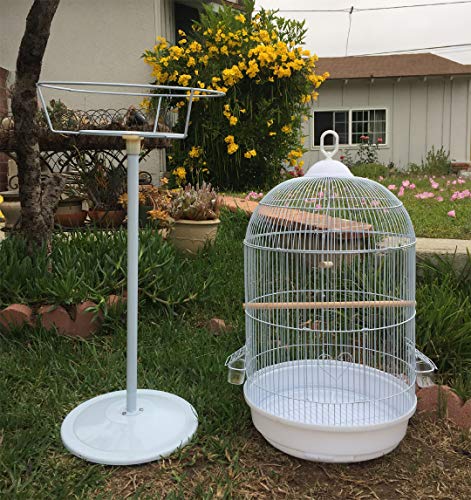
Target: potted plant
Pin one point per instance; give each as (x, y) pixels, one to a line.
(103, 185)
(69, 212)
(195, 211)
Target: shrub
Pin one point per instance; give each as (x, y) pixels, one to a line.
(370, 170)
(367, 150)
(244, 139)
(437, 162)
(444, 320)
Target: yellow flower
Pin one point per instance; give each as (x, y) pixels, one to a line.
(145, 103)
(158, 214)
(269, 123)
(191, 62)
(240, 18)
(184, 80)
(271, 134)
(176, 52)
(195, 46)
(233, 120)
(123, 199)
(182, 41)
(232, 75)
(232, 148)
(295, 153)
(229, 139)
(250, 154)
(223, 50)
(180, 172)
(195, 152)
(242, 110)
(253, 69)
(164, 180)
(181, 33)
(161, 43)
(286, 129)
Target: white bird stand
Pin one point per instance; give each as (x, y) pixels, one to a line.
(134, 426)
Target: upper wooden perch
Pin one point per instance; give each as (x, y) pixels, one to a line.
(300, 218)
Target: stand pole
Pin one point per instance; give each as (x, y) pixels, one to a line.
(133, 147)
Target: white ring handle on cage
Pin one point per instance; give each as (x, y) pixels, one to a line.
(330, 154)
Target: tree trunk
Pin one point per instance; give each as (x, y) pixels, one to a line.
(39, 195)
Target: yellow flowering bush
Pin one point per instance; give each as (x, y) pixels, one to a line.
(246, 139)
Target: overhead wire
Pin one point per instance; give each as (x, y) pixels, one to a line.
(368, 9)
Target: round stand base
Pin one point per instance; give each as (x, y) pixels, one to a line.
(99, 430)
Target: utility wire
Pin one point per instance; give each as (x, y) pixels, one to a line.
(436, 47)
(368, 9)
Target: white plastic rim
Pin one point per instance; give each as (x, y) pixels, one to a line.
(100, 431)
(323, 437)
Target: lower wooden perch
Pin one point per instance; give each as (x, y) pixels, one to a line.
(330, 305)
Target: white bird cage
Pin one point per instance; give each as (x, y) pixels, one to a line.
(330, 354)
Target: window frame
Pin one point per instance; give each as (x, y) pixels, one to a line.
(349, 110)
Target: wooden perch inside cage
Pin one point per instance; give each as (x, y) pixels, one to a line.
(302, 218)
(330, 305)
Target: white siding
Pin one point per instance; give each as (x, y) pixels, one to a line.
(421, 113)
(94, 40)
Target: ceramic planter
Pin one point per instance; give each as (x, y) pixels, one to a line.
(69, 213)
(107, 218)
(190, 236)
(11, 208)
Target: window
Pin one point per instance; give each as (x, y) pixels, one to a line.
(185, 16)
(370, 122)
(330, 120)
(350, 125)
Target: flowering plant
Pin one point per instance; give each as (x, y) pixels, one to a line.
(244, 139)
(367, 150)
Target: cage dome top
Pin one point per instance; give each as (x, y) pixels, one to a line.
(330, 199)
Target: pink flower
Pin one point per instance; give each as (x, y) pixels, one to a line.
(380, 140)
(447, 183)
(411, 186)
(454, 182)
(401, 191)
(451, 213)
(435, 185)
(375, 203)
(392, 187)
(318, 206)
(381, 178)
(439, 198)
(406, 183)
(424, 195)
(461, 181)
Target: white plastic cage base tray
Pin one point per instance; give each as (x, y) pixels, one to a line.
(99, 430)
(308, 420)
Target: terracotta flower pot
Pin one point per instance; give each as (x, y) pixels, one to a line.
(69, 213)
(190, 236)
(11, 207)
(107, 218)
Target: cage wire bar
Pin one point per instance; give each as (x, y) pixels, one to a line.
(137, 425)
(330, 316)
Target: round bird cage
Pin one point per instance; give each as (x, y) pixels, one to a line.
(330, 353)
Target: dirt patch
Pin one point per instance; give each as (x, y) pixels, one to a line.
(433, 462)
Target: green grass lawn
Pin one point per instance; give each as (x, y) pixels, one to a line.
(429, 216)
(44, 376)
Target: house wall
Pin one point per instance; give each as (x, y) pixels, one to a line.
(93, 40)
(421, 113)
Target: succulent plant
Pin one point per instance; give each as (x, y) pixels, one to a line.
(196, 203)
